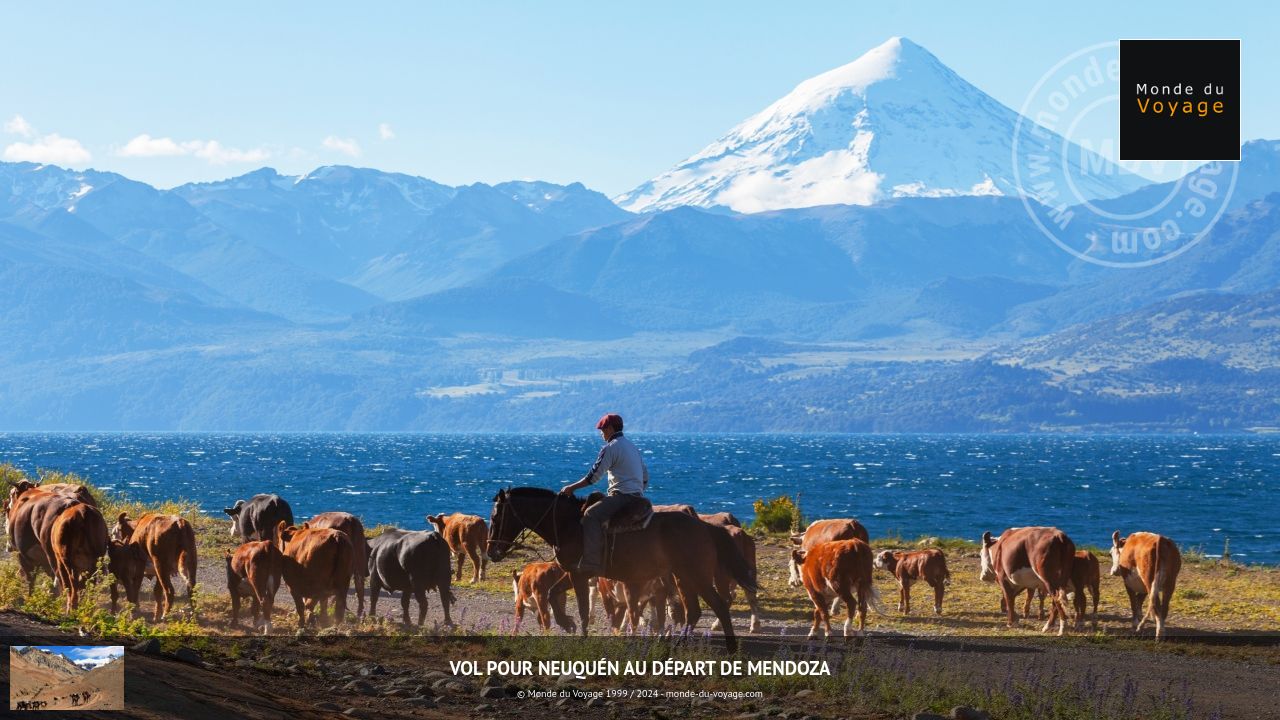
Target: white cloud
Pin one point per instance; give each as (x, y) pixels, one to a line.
(19, 126)
(385, 132)
(346, 146)
(95, 656)
(146, 146)
(52, 148)
(212, 151)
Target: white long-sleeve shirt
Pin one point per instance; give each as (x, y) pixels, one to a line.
(621, 459)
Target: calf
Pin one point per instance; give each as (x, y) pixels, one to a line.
(169, 543)
(410, 563)
(837, 570)
(542, 587)
(624, 603)
(820, 531)
(127, 563)
(258, 518)
(254, 571)
(316, 565)
(1149, 564)
(466, 535)
(911, 567)
(77, 540)
(351, 525)
(1030, 557)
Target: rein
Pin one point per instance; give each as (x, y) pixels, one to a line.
(517, 541)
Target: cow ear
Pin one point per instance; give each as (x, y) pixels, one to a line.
(1115, 539)
(986, 539)
(124, 517)
(306, 525)
(232, 511)
(797, 539)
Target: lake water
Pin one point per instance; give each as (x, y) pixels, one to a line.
(1198, 490)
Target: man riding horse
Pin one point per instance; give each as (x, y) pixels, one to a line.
(628, 479)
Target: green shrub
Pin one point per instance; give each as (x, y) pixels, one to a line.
(779, 515)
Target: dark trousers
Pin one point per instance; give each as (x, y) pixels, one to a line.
(593, 524)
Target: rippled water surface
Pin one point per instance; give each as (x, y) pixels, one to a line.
(1197, 490)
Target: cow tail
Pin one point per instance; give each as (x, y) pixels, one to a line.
(187, 553)
(873, 598)
(730, 557)
(946, 576)
(1157, 588)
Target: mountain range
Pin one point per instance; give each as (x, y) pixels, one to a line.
(886, 277)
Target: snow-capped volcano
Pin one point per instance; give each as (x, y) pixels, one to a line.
(895, 122)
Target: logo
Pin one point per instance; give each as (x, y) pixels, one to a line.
(1122, 213)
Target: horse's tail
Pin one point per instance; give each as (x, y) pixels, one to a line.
(730, 557)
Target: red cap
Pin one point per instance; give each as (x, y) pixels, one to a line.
(612, 420)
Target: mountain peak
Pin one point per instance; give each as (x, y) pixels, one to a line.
(895, 122)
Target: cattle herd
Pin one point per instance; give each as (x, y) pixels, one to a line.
(59, 529)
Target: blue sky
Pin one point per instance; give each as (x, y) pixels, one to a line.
(607, 94)
(93, 654)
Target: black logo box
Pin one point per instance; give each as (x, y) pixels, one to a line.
(1187, 68)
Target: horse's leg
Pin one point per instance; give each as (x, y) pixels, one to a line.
(721, 609)
(582, 593)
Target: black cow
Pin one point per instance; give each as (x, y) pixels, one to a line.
(411, 563)
(257, 518)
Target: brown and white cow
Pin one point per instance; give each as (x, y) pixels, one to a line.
(1149, 565)
(254, 570)
(77, 541)
(316, 565)
(909, 567)
(1085, 577)
(1030, 557)
(169, 544)
(542, 587)
(820, 531)
(466, 536)
(837, 570)
(351, 525)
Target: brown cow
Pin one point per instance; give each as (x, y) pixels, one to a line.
(77, 540)
(837, 570)
(351, 525)
(29, 524)
(1149, 564)
(254, 571)
(723, 519)
(820, 531)
(910, 567)
(127, 563)
(1084, 577)
(724, 582)
(624, 603)
(169, 543)
(1030, 557)
(316, 565)
(542, 587)
(71, 490)
(466, 535)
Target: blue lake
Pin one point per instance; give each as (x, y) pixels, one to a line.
(1199, 490)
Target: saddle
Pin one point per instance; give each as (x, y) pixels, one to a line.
(629, 520)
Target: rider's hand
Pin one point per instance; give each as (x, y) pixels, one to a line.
(568, 489)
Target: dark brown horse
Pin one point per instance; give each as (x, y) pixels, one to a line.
(673, 542)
